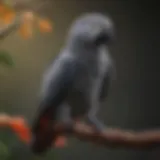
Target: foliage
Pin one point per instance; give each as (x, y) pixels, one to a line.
(6, 59)
(28, 21)
(28, 18)
(4, 151)
(8, 15)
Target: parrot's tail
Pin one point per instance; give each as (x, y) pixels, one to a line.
(43, 133)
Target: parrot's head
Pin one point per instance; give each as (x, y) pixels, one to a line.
(92, 29)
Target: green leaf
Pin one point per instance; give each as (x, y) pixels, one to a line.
(4, 151)
(6, 59)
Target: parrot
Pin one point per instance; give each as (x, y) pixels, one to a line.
(77, 81)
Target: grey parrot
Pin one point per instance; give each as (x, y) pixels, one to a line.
(77, 81)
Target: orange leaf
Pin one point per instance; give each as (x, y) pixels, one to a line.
(44, 25)
(8, 17)
(26, 30)
(22, 130)
(20, 127)
(2, 8)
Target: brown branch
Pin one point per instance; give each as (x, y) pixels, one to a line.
(6, 30)
(114, 138)
(31, 5)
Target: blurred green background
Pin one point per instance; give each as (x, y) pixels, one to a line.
(133, 100)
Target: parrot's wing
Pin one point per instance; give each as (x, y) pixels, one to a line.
(106, 82)
(105, 85)
(57, 83)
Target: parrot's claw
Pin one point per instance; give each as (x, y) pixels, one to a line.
(98, 126)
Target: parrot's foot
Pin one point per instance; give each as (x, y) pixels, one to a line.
(60, 142)
(98, 126)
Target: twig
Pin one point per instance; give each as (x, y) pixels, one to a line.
(6, 30)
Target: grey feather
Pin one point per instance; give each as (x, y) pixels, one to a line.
(80, 76)
(58, 80)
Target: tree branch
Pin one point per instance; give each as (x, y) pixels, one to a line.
(6, 30)
(114, 138)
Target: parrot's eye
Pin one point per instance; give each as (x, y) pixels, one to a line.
(101, 39)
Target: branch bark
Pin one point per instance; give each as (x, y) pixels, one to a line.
(114, 138)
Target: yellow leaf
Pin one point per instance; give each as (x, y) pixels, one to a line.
(44, 25)
(25, 30)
